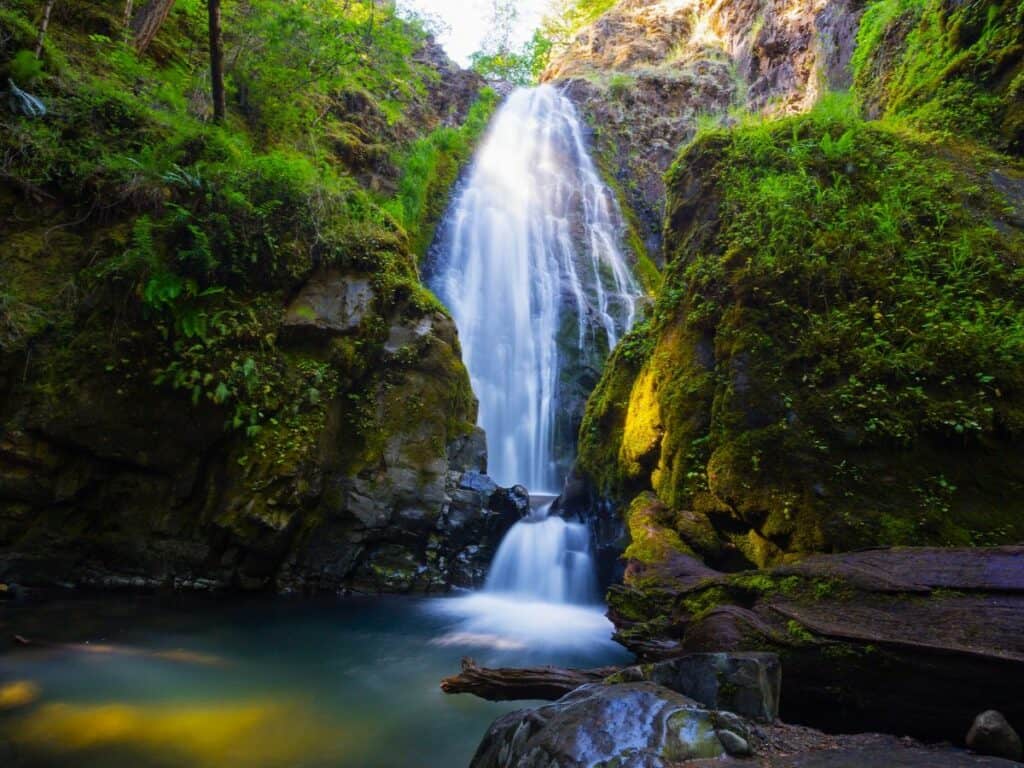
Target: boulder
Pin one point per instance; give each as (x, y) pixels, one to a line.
(331, 302)
(512, 501)
(992, 735)
(641, 725)
(745, 683)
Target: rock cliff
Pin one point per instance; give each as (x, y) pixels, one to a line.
(806, 381)
(219, 368)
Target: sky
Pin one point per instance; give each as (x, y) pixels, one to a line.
(467, 22)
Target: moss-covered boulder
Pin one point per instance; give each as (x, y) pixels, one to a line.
(836, 359)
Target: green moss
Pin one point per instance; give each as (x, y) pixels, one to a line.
(954, 69)
(430, 168)
(651, 539)
(838, 348)
(798, 632)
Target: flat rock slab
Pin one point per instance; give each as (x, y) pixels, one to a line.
(887, 758)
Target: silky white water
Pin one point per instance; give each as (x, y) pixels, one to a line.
(529, 261)
(545, 558)
(531, 243)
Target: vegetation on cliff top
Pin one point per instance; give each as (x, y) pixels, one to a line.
(195, 232)
(956, 68)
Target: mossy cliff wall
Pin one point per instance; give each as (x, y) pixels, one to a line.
(219, 367)
(836, 354)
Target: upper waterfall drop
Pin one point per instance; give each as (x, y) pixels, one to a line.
(530, 263)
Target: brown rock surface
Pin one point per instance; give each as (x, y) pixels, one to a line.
(931, 638)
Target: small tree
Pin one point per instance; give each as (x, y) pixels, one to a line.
(43, 27)
(216, 62)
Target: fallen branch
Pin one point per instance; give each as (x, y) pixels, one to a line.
(546, 683)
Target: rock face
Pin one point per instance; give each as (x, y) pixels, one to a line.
(990, 734)
(912, 641)
(131, 487)
(647, 72)
(635, 724)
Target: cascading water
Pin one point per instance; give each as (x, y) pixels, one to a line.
(545, 558)
(530, 264)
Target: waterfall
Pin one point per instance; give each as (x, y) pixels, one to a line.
(530, 264)
(545, 558)
(529, 261)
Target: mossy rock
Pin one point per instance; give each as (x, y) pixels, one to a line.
(836, 359)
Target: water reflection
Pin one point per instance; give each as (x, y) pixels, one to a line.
(146, 683)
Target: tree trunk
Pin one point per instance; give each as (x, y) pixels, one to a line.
(129, 5)
(147, 22)
(43, 27)
(216, 63)
(547, 683)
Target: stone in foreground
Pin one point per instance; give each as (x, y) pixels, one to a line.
(992, 735)
(641, 725)
(745, 683)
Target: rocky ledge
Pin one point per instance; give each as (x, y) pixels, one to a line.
(644, 725)
(903, 640)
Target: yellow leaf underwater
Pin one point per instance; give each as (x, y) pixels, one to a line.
(17, 694)
(260, 734)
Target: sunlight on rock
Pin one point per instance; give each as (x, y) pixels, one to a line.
(18, 694)
(259, 733)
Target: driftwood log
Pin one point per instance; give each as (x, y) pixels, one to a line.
(904, 640)
(544, 683)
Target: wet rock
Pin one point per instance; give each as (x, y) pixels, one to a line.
(482, 484)
(991, 734)
(734, 744)
(468, 453)
(331, 302)
(745, 683)
(638, 724)
(513, 501)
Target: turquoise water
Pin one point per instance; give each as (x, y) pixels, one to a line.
(155, 682)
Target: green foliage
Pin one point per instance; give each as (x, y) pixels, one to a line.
(429, 169)
(955, 69)
(25, 68)
(195, 235)
(512, 67)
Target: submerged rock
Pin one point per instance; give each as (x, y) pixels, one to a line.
(992, 735)
(641, 725)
